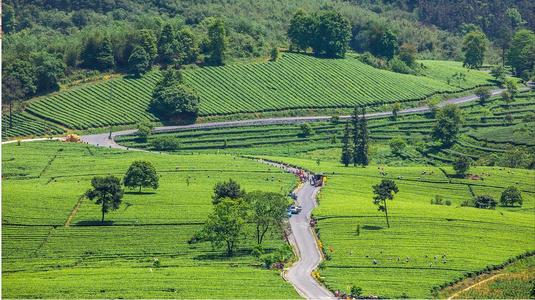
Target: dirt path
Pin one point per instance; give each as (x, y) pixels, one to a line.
(74, 211)
(474, 285)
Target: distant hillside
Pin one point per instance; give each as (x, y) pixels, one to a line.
(294, 82)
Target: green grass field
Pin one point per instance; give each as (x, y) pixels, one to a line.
(469, 238)
(41, 258)
(294, 82)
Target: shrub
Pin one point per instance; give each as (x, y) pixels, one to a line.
(165, 143)
(306, 130)
(398, 66)
(484, 201)
(356, 291)
(510, 196)
(144, 130)
(397, 145)
(461, 165)
(447, 202)
(373, 61)
(468, 202)
(439, 200)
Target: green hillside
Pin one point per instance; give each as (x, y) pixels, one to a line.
(295, 81)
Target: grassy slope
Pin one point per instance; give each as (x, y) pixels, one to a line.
(295, 81)
(41, 258)
(470, 238)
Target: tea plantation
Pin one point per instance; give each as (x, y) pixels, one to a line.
(426, 245)
(55, 248)
(294, 82)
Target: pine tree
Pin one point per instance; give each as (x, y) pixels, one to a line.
(363, 149)
(346, 146)
(105, 58)
(356, 135)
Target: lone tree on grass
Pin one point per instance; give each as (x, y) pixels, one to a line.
(347, 154)
(485, 202)
(510, 196)
(383, 192)
(268, 211)
(141, 174)
(461, 165)
(474, 48)
(225, 226)
(228, 189)
(360, 138)
(448, 125)
(107, 192)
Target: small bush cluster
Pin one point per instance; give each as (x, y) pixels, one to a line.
(165, 143)
(439, 200)
(277, 258)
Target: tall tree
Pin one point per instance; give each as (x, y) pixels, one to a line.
(147, 40)
(347, 153)
(461, 165)
(332, 34)
(106, 192)
(139, 61)
(216, 42)
(167, 44)
(356, 135)
(12, 90)
(225, 226)
(484, 94)
(301, 31)
(383, 192)
(474, 47)
(188, 48)
(50, 69)
(104, 57)
(89, 51)
(448, 124)
(268, 212)
(361, 150)
(521, 55)
(141, 174)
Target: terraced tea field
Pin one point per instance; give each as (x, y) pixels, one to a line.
(294, 82)
(486, 132)
(42, 258)
(427, 245)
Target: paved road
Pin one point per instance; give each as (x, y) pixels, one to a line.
(103, 139)
(309, 254)
(304, 240)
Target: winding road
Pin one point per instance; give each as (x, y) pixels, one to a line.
(303, 238)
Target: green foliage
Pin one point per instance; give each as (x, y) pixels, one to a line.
(306, 130)
(499, 73)
(461, 165)
(141, 174)
(275, 54)
(216, 42)
(173, 101)
(106, 192)
(485, 202)
(347, 153)
(407, 54)
(511, 196)
(267, 212)
(165, 143)
(521, 55)
(383, 192)
(139, 61)
(360, 138)
(484, 94)
(144, 130)
(230, 189)
(396, 107)
(48, 72)
(104, 56)
(147, 40)
(474, 47)
(225, 226)
(448, 124)
(397, 145)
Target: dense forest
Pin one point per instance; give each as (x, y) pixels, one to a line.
(51, 42)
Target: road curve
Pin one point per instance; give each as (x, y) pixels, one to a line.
(104, 140)
(303, 239)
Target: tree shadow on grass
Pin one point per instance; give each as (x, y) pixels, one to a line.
(94, 223)
(139, 193)
(371, 227)
(222, 255)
